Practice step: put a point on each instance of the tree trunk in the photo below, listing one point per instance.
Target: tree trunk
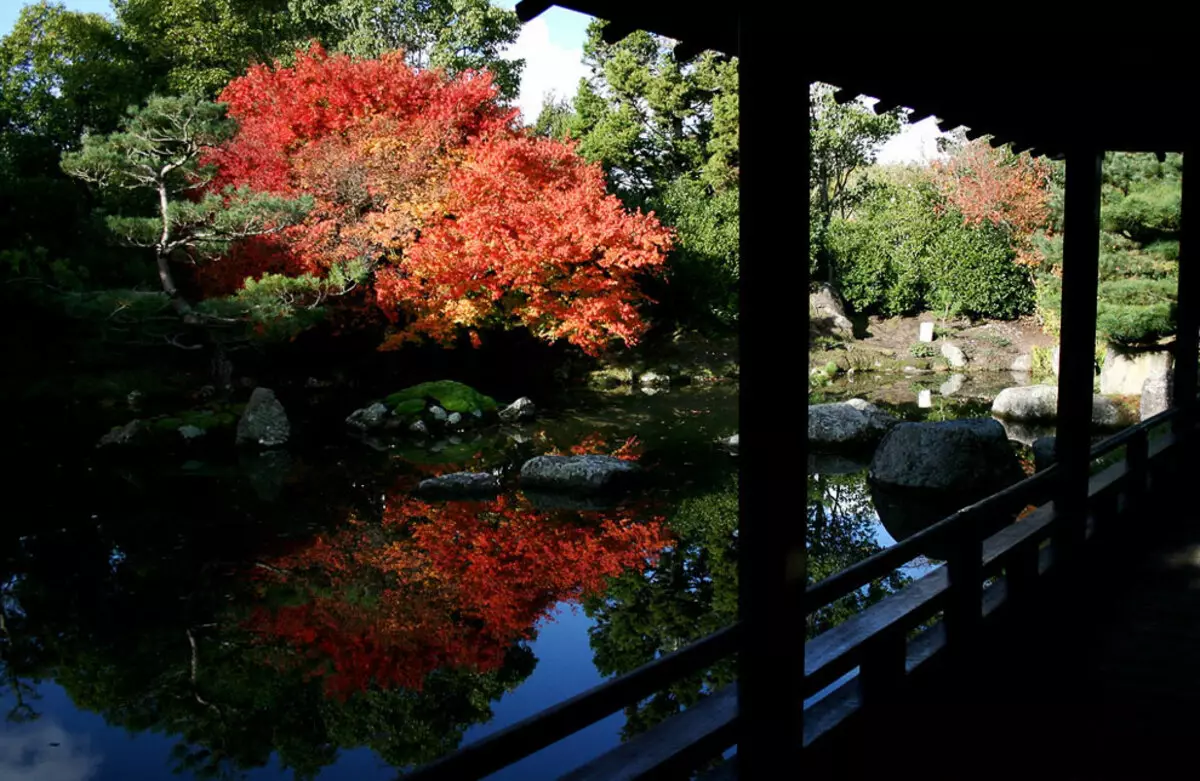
(162, 255)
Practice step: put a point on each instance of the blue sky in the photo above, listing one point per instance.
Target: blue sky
(552, 45)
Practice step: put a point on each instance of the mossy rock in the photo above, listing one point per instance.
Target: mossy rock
(611, 376)
(451, 396)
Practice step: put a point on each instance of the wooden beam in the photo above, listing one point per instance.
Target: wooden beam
(1187, 337)
(1081, 255)
(530, 9)
(771, 546)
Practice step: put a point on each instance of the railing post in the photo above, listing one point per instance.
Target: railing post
(1137, 461)
(1021, 572)
(882, 671)
(1081, 253)
(964, 608)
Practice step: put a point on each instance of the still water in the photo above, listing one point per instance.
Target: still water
(304, 615)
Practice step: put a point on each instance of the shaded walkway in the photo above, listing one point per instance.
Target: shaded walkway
(1101, 681)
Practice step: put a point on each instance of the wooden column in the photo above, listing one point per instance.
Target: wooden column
(1187, 338)
(1081, 252)
(773, 311)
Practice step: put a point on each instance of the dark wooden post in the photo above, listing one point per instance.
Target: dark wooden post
(1081, 255)
(1187, 337)
(771, 530)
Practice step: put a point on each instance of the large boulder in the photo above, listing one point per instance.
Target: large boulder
(461, 485)
(956, 455)
(264, 421)
(846, 425)
(580, 474)
(1039, 404)
(1157, 393)
(923, 472)
(1125, 371)
(123, 435)
(827, 313)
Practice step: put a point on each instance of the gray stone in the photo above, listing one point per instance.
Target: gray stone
(122, 435)
(454, 418)
(454, 439)
(1039, 404)
(952, 385)
(1043, 452)
(577, 473)
(971, 455)
(925, 399)
(368, 418)
(1027, 403)
(1026, 433)
(264, 421)
(954, 355)
(1023, 363)
(1055, 356)
(925, 332)
(1157, 393)
(827, 312)
(1126, 371)
(520, 410)
(478, 413)
(438, 413)
(650, 390)
(731, 444)
(846, 425)
(461, 484)
(654, 378)
(191, 432)
(418, 427)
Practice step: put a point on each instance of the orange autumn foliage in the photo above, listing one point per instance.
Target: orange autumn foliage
(996, 186)
(435, 586)
(462, 219)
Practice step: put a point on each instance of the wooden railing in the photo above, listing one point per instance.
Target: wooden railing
(992, 562)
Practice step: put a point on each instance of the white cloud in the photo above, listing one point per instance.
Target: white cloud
(44, 751)
(549, 67)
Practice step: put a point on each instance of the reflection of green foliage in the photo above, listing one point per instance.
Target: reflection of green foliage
(692, 592)
(452, 396)
(841, 519)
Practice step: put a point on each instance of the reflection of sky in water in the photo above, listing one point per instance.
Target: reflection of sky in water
(90, 750)
(43, 751)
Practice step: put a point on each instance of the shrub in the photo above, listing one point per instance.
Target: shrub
(1043, 362)
(1136, 311)
(921, 350)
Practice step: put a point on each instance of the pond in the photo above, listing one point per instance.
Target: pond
(302, 614)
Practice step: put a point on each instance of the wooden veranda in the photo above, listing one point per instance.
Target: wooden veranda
(1074, 631)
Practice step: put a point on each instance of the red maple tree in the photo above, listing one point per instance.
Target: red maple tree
(463, 220)
(987, 184)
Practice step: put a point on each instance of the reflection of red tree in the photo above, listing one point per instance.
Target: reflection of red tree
(440, 585)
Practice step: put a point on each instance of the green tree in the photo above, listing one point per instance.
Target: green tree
(844, 140)
(666, 133)
(62, 73)
(158, 152)
(202, 44)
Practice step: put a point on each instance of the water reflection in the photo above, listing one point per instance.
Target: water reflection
(44, 751)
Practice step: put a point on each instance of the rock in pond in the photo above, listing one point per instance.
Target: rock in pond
(923, 472)
(654, 379)
(438, 413)
(1023, 363)
(1039, 404)
(122, 435)
(731, 444)
(461, 484)
(264, 421)
(972, 454)
(846, 425)
(367, 418)
(520, 410)
(591, 473)
(1043, 453)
